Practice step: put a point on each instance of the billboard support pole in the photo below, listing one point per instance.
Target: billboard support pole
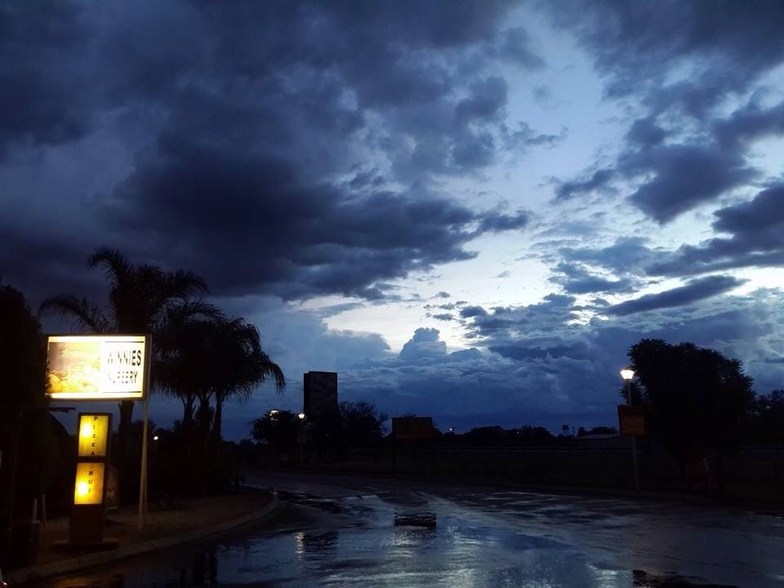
(143, 473)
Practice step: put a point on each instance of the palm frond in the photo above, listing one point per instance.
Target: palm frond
(116, 266)
(85, 313)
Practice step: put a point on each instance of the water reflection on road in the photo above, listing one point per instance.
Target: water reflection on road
(386, 533)
(380, 544)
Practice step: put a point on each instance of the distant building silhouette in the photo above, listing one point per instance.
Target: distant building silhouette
(320, 395)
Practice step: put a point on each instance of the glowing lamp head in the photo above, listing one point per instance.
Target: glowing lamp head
(627, 374)
(301, 416)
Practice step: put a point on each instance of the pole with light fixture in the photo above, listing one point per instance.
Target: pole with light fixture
(301, 436)
(627, 375)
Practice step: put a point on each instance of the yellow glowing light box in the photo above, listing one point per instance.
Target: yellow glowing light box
(97, 367)
(93, 435)
(88, 488)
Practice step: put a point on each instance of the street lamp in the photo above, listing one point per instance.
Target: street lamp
(628, 375)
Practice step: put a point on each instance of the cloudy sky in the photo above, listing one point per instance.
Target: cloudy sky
(469, 209)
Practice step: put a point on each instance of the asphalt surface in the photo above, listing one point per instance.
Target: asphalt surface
(354, 531)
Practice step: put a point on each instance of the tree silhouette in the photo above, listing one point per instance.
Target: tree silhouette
(278, 429)
(361, 425)
(767, 419)
(209, 361)
(239, 367)
(22, 404)
(696, 399)
(22, 353)
(631, 393)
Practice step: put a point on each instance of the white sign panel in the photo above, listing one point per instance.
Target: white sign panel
(98, 367)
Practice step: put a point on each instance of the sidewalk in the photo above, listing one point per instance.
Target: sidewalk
(164, 526)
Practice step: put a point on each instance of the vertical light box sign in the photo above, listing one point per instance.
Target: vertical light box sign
(93, 435)
(88, 512)
(89, 483)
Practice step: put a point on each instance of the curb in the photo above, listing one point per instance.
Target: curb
(78, 563)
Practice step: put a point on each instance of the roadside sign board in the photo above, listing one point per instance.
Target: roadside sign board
(97, 367)
(631, 420)
(412, 428)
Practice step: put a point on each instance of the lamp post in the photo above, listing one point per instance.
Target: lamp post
(301, 435)
(627, 375)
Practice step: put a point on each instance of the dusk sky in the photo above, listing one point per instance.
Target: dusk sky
(469, 209)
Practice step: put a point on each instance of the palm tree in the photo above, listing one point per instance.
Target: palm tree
(143, 298)
(212, 361)
(239, 367)
(187, 352)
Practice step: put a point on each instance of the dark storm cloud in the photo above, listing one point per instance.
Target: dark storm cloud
(726, 49)
(694, 291)
(506, 323)
(442, 317)
(645, 132)
(424, 23)
(628, 255)
(636, 43)
(472, 311)
(598, 180)
(43, 99)
(684, 177)
(576, 279)
(751, 122)
(535, 349)
(24, 260)
(761, 218)
(288, 147)
(515, 45)
(487, 99)
(755, 229)
(495, 222)
(211, 212)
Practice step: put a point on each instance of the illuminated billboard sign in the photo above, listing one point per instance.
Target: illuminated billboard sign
(97, 367)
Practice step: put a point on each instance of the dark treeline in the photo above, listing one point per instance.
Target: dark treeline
(525, 436)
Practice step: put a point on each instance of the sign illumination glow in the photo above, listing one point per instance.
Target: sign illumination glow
(98, 367)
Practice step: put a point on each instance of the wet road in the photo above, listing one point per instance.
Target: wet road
(351, 531)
